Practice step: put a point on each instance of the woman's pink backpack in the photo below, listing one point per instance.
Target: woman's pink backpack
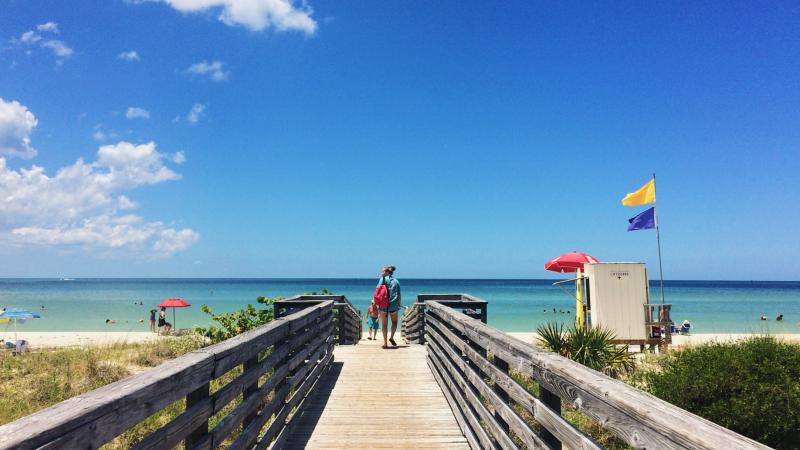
(381, 297)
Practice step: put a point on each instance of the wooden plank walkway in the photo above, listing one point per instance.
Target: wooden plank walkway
(376, 398)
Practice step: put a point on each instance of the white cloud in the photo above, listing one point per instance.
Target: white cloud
(129, 56)
(51, 27)
(256, 15)
(30, 37)
(134, 112)
(179, 157)
(58, 47)
(214, 70)
(80, 205)
(16, 125)
(196, 113)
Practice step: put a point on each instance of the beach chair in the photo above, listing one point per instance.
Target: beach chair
(685, 328)
(19, 347)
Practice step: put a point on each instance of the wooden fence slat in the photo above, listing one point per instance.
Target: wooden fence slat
(280, 417)
(469, 415)
(515, 423)
(230, 391)
(502, 439)
(301, 395)
(459, 415)
(551, 421)
(179, 428)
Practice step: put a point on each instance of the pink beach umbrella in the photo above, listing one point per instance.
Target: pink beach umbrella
(174, 303)
(569, 262)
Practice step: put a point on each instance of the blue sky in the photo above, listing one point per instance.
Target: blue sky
(451, 139)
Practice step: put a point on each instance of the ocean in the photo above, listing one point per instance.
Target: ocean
(514, 305)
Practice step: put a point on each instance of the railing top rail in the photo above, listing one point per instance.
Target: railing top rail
(444, 298)
(154, 388)
(310, 298)
(642, 419)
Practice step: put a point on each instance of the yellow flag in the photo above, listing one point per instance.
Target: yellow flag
(645, 195)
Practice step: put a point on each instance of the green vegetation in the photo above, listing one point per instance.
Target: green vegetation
(593, 347)
(39, 379)
(235, 322)
(751, 387)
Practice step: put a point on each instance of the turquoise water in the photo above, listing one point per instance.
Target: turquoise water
(514, 305)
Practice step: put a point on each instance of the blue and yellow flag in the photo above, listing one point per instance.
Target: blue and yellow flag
(644, 196)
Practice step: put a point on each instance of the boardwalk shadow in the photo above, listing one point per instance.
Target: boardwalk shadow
(303, 426)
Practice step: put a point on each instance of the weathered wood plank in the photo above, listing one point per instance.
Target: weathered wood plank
(298, 401)
(639, 418)
(488, 420)
(551, 421)
(454, 406)
(507, 415)
(179, 428)
(373, 398)
(471, 419)
(280, 416)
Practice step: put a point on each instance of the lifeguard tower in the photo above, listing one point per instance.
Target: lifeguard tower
(618, 299)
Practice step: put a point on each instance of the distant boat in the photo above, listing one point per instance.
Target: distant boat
(68, 279)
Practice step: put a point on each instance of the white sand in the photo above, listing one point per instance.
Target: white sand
(684, 340)
(50, 339)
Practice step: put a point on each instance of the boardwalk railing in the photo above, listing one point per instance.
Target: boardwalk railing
(347, 320)
(280, 363)
(413, 329)
(472, 363)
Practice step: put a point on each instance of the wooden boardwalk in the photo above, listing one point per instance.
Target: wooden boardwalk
(376, 398)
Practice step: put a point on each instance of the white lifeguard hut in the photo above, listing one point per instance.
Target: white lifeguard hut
(618, 299)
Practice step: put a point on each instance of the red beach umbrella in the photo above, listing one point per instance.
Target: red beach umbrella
(569, 262)
(174, 303)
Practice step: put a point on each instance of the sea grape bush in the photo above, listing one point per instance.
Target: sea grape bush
(751, 387)
(232, 323)
(236, 322)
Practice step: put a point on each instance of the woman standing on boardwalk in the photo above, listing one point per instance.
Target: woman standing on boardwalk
(387, 278)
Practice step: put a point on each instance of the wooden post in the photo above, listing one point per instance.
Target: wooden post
(250, 390)
(553, 402)
(503, 366)
(340, 322)
(192, 399)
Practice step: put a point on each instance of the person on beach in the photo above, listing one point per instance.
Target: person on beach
(387, 278)
(153, 313)
(373, 318)
(110, 322)
(164, 327)
(779, 318)
(763, 317)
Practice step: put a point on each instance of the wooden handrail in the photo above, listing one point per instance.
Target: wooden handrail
(459, 349)
(296, 348)
(347, 319)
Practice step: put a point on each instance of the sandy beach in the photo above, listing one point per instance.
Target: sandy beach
(53, 339)
(684, 340)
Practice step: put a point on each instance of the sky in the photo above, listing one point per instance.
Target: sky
(270, 138)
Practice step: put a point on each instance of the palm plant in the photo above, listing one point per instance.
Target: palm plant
(593, 347)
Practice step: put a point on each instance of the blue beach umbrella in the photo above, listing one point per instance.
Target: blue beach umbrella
(19, 315)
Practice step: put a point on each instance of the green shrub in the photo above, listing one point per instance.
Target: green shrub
(235, 322)
(751, 387)
(593, 347)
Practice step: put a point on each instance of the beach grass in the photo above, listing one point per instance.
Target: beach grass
(39, 379)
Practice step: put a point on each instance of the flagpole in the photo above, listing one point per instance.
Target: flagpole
(658, 239)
